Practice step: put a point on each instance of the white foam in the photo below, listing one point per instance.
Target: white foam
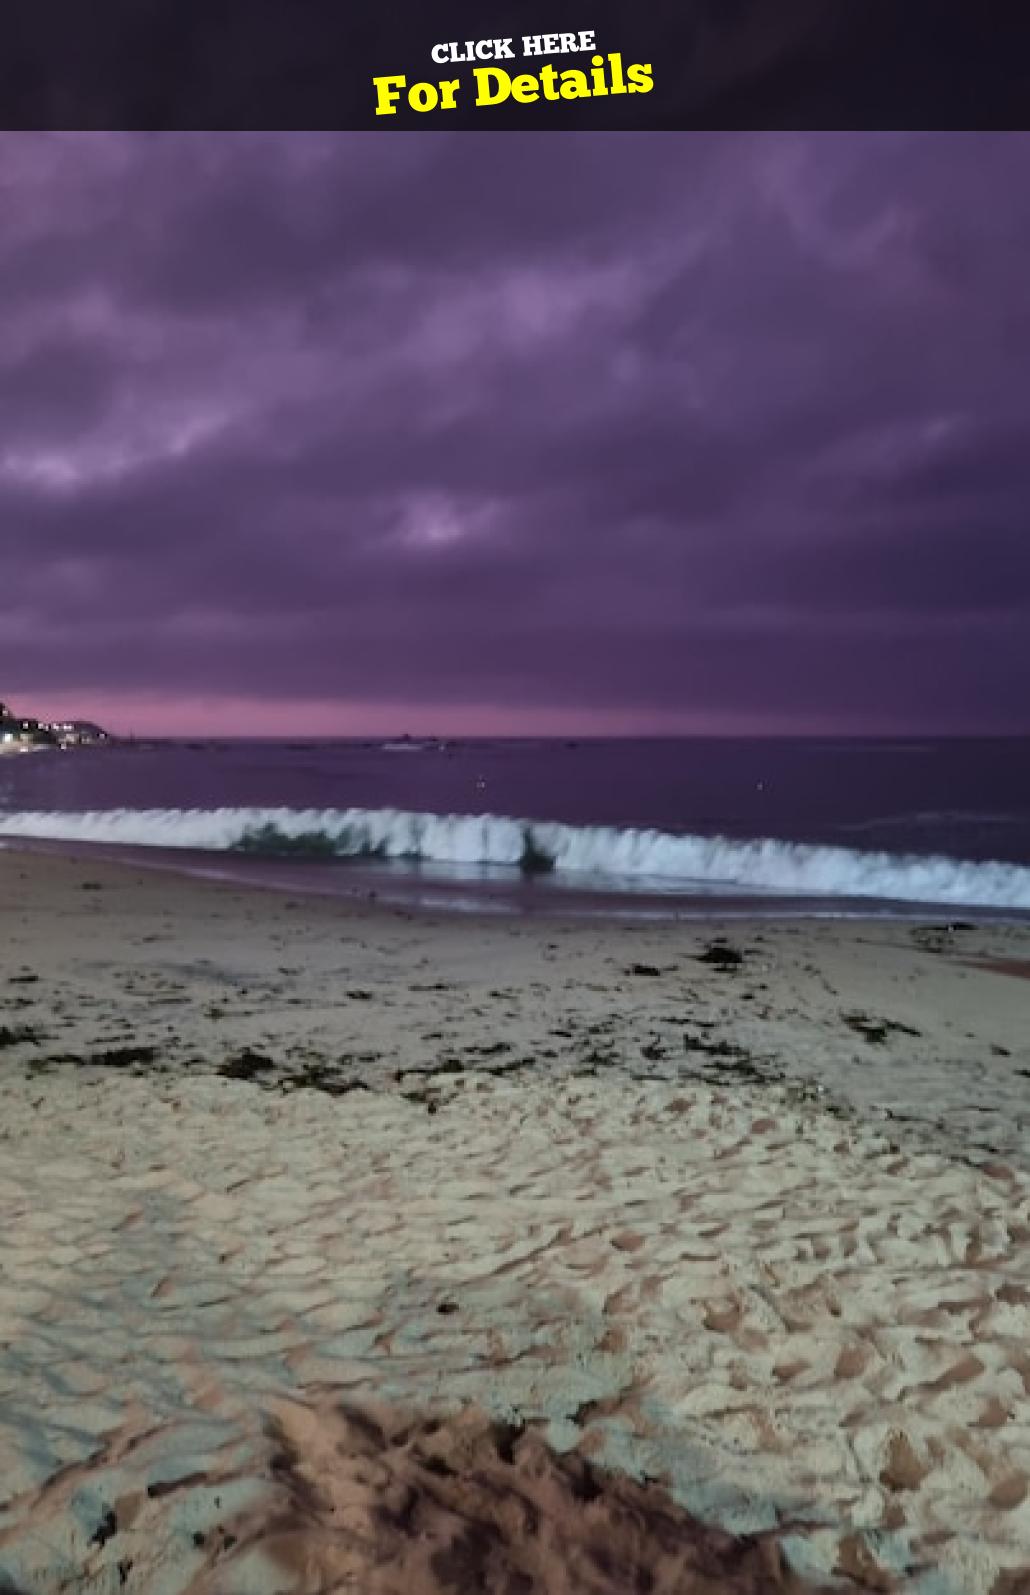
(584, 852)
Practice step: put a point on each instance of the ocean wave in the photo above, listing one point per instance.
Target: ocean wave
(582, 852)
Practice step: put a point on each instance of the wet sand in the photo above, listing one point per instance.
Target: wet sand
(353, 1249)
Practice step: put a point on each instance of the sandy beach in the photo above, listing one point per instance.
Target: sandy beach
(347, 1248)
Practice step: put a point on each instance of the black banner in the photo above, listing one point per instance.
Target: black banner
(658, 64)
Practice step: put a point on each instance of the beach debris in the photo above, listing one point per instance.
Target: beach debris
(247, 1065)
(938, 938)
(595, 1057)
(422, 1099)
(105, 1530)
(322, 1077)
(54, 1060)
(721, 955)
(14, 1035)
(121, 1057)
(876, 1031)
(510, 1066)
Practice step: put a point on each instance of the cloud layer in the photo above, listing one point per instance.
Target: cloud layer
(338, 431)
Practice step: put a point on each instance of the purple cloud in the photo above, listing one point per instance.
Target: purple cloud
(580, 430)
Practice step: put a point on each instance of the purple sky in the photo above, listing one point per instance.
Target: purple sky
(350, 433)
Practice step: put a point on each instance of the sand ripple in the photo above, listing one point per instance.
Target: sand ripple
(796, 1326)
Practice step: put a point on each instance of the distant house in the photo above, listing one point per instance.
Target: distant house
(17, 733)
(13, 733)
(77, 733)
(32, 731)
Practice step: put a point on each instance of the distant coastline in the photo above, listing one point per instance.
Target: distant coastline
(23, 734)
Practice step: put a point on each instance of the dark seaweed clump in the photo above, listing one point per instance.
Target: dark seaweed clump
(721, 956)
(247, 1065)
(876, 1031)
(122, 1057)
(11, 1035)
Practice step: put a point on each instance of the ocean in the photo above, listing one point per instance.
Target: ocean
(652, 827)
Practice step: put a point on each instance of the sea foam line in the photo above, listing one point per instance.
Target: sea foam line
(583, 851)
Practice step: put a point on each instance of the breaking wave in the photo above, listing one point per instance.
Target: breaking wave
(582, 852)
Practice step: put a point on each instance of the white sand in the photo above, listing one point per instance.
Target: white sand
(661, 1234)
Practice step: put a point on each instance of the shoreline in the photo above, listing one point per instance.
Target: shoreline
(493, 897)
(739, 1207)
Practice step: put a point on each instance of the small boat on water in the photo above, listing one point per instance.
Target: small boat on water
(407, 744)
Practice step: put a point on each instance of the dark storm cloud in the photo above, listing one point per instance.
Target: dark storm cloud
(662, 425)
